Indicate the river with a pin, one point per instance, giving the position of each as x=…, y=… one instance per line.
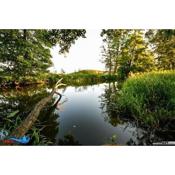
x=83, y=117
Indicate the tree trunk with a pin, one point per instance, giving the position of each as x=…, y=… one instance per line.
x=33, y=115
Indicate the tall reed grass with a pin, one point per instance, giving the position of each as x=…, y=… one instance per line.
x=149, y=97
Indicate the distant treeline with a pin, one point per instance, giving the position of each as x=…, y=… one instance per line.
x=83, y=77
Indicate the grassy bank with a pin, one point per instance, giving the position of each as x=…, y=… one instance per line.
x=83, y=77
x=149, y=97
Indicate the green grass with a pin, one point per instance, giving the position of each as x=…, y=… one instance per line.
x=149, y=97
x=82, y=78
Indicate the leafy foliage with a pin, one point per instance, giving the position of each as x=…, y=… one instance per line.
x=163, y=46
x=126, y=51
x=27, y=52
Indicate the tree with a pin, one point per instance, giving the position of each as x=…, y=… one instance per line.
x=27, y=52
x=107, y=58
x=139, y=57
x=113, y=40
x=129, y=50
x=163, y=45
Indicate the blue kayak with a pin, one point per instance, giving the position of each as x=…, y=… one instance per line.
x=22, y=140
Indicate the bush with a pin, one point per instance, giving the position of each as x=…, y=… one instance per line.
x=149, y=97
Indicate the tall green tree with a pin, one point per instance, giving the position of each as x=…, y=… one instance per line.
x=129, y=50
x=163, y=46
x=113, y=41
x=27, y=52
x=136, y=53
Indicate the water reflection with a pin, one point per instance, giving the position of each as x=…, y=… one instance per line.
x=68, y=139
x=141, y=135
x=108, y=104
x=23, y=100
x=109, y=107
x=88, y=117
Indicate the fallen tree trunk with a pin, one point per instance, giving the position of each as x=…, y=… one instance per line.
x=33, y=115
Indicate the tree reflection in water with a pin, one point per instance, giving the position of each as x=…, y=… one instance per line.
x=68, y=139
x=109, y=107
x=116, y=128
x=23, y=100
x=143, y=135
x=108, y=104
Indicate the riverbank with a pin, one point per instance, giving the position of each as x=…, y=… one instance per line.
x=82, y=78
x=77, y=79
x=80, y=120
x=149, y=98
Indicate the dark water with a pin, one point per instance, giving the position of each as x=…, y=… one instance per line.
x=84, y=117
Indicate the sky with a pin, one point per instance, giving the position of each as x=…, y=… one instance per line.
x=84, y=54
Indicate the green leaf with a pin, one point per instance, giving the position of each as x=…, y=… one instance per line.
x=12, y=114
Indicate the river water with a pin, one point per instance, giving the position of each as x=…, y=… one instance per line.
x=83, y=117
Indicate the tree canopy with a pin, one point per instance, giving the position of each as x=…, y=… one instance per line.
x=27, y=52
x=163, y=46
x=125, y=51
